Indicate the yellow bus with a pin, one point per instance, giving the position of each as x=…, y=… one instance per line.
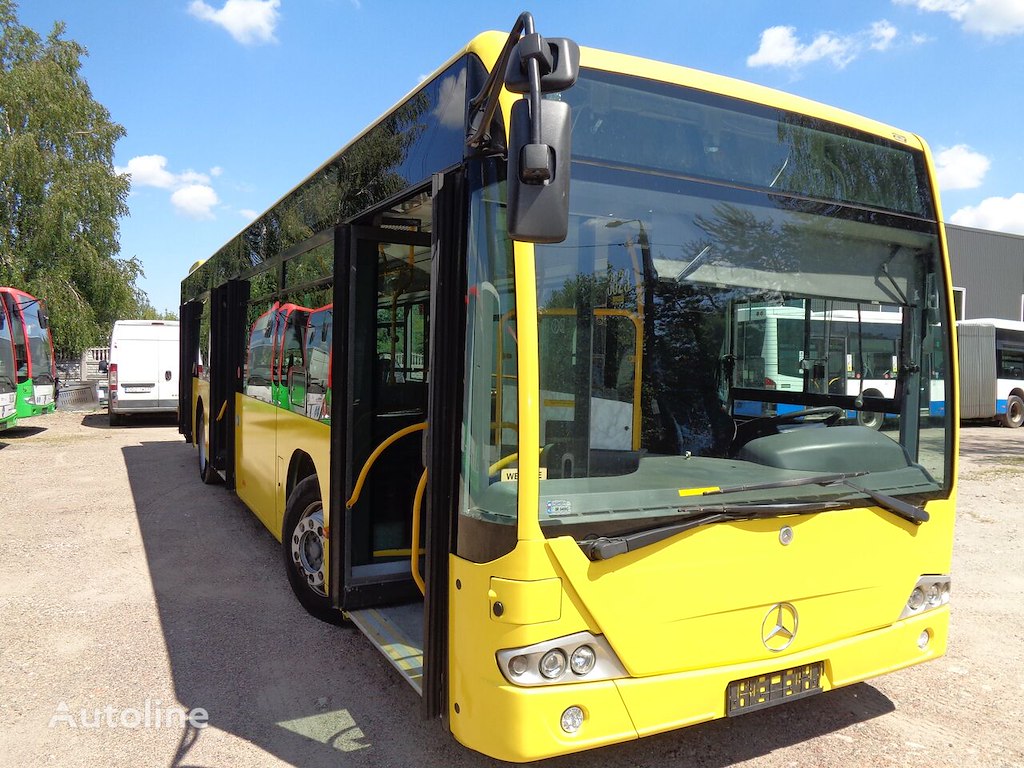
x=504, y=444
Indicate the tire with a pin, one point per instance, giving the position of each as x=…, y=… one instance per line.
x=870, y=419
x=304, y=548
x=206, y=471
x=1014, y=415
x=116, y=419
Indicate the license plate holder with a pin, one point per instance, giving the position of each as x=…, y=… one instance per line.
x=762, y=691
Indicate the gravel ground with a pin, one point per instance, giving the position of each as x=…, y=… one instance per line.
x=133, y=592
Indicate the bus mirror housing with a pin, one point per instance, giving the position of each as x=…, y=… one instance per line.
x=538, y=173
x=539, y=130
x=558, y=60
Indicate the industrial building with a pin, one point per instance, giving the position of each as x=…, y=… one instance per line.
x=988, y=273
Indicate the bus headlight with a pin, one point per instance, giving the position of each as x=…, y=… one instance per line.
x=582, y=657
x=552, y=664
x=582, y=660
x=929, y=593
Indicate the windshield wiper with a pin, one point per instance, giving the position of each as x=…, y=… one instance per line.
x=898, y=507
x=603, y=547
x=836, y=477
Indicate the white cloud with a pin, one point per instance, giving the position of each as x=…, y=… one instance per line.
x=248, y=214
x=195, y=201
x=960, y=167
x=882, y=35
x=780, y=46
x=250, y=22
x=1002, y=214
x=991, y=18
x=149, y=171
x=192, y=194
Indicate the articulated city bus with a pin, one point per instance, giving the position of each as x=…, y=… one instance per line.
x=992, y=370
x=35, y=369
x=475, y=374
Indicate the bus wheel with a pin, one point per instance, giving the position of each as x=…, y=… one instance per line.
x=1014, y=415
x=206, y=471
x=304, y=547
x=870, y=419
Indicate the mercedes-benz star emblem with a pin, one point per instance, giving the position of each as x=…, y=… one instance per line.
x=778, y=630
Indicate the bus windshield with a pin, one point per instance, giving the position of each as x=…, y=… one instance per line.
x=38, y=338
x=8, y=379
x=705, y=213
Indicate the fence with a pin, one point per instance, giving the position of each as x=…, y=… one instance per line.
x=82, y=384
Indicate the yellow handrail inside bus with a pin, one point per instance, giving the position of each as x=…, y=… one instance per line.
x=220, y=414
x=361, y=480
x=415, y=554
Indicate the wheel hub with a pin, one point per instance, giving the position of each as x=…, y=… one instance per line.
x=308, y=547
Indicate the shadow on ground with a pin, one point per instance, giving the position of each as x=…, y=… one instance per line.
x=242, y=648
x=102, y=421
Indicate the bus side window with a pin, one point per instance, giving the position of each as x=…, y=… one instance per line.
x=257, y=382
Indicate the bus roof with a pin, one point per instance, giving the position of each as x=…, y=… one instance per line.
x=996, y=322
x=487, y=47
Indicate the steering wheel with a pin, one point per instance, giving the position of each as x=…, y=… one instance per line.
x=831, y=413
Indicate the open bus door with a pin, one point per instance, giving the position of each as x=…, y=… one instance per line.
x=191, y=315
x=227, y=353
x=399, y=351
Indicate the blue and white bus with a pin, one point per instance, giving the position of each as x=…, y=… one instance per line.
x=992, y=370
x=797, y=349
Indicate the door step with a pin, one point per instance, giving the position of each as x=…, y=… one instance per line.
x=397, y=631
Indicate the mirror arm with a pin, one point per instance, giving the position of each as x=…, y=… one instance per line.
x=488, y=96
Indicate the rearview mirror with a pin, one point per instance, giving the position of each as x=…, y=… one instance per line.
x=538, y=207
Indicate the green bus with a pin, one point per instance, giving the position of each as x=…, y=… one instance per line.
x=35, y=372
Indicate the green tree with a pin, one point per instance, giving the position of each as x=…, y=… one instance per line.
x=60, y=198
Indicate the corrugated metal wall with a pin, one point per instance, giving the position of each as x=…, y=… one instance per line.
x=989, y=266
x=977, y=371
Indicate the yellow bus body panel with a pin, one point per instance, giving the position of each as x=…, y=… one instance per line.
x=256, y=474
x=297, y=434
x=268, y=439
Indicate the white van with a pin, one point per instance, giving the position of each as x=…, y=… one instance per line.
x=142, y=369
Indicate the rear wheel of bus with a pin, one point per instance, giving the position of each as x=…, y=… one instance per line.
x=1014, y=415
x=304, y=547
x=206, y=471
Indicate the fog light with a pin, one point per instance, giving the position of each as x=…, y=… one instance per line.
x=924, y=638
x=582, y=660
x=518, y=665
x=552, y=664
x=572, y=719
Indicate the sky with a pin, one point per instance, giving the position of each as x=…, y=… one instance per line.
x=228, y=104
